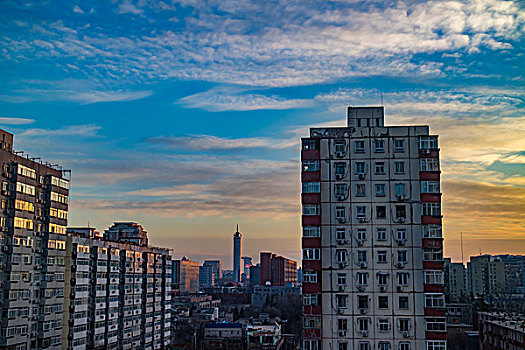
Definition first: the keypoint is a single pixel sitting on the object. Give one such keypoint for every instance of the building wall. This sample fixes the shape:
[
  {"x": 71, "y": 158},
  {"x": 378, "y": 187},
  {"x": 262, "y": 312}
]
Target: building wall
[
  {"x": 188, "y": 276},
  {"x": 344, "y": 221}
]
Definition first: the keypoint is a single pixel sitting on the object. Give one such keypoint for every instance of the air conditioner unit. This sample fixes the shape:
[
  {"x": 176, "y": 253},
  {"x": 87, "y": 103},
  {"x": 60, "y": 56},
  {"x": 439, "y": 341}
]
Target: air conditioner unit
[
  {"x": 400, "y": 242},
  {"x": 4, "y": 229},
  {"x": 38, "y": 267},
  {"x": 426, "y": 151},
  {"x": 39, "y": 250},
  {"x": 361, "y": 218},
  {"x": 341, "y": 287},
  {"x": 341, "y": 198},
  {"x": 342, "y": 264},
  {"x": 2, "y": 266},
  {"x": 360, "y": 288},
  {"x": 400, "y": 265},
  {"x": 339, "y": 176},
  {"x": 339, "y": 154},
  {"x": 361, "y": 176},
  {"x": 406, "y": 334},
  {"x": 363, "y": 311},
  {"x": 360, "y": 242},
  {"x": 400, "y": 220},
  {"x": 363, "y": 265},
  {"x": 399, "y": 288},
  {"x": 2, "y": 284},
  {"x": 364, "y": 333},
  {"x": 5, "y": 248},
  {"x": 341, "y": 241},
  {"x": 382, "y": 288},
  {"x": 400, "y": 197},
  {"x": 34, "y": 318},
  {"x": 341, "y": 220},
  {"x": 340, "y": 310},
  {"x": 342, "y": 333}
]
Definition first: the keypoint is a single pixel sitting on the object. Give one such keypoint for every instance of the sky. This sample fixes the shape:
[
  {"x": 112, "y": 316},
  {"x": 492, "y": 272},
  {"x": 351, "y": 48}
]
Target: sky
[{"x": 186, "y": 115}]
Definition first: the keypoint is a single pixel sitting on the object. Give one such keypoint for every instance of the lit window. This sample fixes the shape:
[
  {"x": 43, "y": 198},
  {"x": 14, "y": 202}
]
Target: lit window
[{"x": 311, "y": 187}]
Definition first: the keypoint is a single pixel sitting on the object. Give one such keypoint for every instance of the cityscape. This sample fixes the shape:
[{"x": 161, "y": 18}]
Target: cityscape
[{"x": 283, "y": 175}]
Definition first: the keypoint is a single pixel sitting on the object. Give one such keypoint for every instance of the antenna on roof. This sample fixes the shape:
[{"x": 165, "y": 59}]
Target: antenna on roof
[
  {"x": 461, "y": 247},
  {"x": 381, "y": 93}
]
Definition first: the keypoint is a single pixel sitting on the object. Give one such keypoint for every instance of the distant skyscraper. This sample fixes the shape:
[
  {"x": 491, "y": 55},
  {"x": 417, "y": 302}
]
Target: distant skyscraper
[
  {"x": 246, "y": 263},
  {"x": 216, "y": 266},
  {"x": 372, "y": 238},
  {"x": 237, "y": 255}
]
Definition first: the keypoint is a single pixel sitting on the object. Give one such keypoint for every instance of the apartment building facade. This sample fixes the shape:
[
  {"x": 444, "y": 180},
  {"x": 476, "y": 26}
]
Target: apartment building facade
[
  {"x": 372, "y": 236},
  {"x": 34, "y": 203},
  {"x": 277, "y": 270},
  {"x": 455, "y": 281},
  {"x": 485, "y": 276}
]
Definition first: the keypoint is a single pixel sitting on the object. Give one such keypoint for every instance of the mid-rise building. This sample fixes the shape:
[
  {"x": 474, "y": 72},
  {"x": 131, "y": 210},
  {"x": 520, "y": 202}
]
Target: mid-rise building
[
  {"x": 206, "y": 277},
  {"x": 34, "y": 203},
  {"x": 372, "y": 236},
  {"x": 127, "y": 232},
  {"x": 455, "y": 278},
  {"x": 216, "y": 266},
  {"x": 501, "y": 331},
  {"x": 186, "y": 275},
  {"x": 485, "y": 276},
  {"x": 277, "y": 270},
  {"x": 514, "y": 272}
]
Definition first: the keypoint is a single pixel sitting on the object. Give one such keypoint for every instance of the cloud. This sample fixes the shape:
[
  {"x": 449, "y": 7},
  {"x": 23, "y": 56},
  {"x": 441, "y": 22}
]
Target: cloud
[
  {"x": 15, "y": 121},
  {"x": 87, "y": 130},
  {"x": 223, "y": 99},
  {"x": 209, "y": 142},
  {"x": 77, "y": 9}
]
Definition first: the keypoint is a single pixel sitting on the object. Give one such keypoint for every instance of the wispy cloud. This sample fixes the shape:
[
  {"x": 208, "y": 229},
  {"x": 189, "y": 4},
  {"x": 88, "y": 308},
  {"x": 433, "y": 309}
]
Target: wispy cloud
[
  {"x": 87, "y": 130},
  {"x": 15, "y": 121},
  {"x": 209, "y": 142}
]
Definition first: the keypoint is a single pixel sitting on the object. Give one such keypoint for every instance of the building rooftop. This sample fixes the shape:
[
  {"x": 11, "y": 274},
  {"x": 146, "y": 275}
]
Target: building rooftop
[{"x": 513, "y": 321}]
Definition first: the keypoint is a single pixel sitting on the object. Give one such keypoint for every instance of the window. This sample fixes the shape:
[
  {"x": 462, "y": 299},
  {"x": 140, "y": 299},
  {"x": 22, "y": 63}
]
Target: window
[
  {"x": 380, "y": 190},
  {"x": 340, "y": 190},
  {"x": 382, "y": 278},
  {"x": 431, "y": 231},
  {"x": 360, "y": 168},
  {"x": 382, "y": 302},
  {"x": 432, "y": 254},
  {"x": 23, "y": 223},
  {"x": 310, "y": 144},
  {"x": 434, "y": 300},
  {"x": 403, "y": 346},
  {"x": 429, "y": 164},
  {"x": 428, "y": 142},
  {"x": 403, "y": 302},
  {"x": 401, "y": 234},
  {"x": 362, "y": 301},
  {"x": 401, "y": 211},
  {"x": 361, "y": 256},
  {"x": 432, "y": 209},
  {"x": 381, "y": 212},
  {"x": 361, "y": 234},
  {"x": 383, "y": 324},
  {"x": 340, "y": 169},
  {"x": 399, "y": 145},
  {"x": 310, "y": 209},
  {"x": 364, "y": 345},
  {"x": 359, "y": 146},
  {"x": 361, "y": 212},
  {"x": 379, "y": 146},
  {"x": 436, "y": 345},
  {"x": 310, "y": 165},
  {"x": 342, "y": 324},
  {"x": 309, "y": 276},
  {"x": 311, "y": 254},
  {"x": 57, "y": 197},
  {"x": 311, "y": 231},
  {"x": 311, "y": 187},
  {"x": 402, "y": 278},
  {"x": 310, "y": 344},
  {"x": 433, "y": 277},
  {"x": 360, "y": 190},
  {"x": 436, "y": 324},
  {"x": 402, "y": 256},
  {"x": 25, "y": 171},
  {"x": 341, "y": 255},
  {"x": 23, "y": 205},
  {"x": 362, "y": 278},
  {"x": 340, "y": 213},
  {"x": 399, "y": 167},
  {"x": 383, "y": 345},
  {"x": 429, "y": 186},
  {"x": 380, "y": 168},
  {"x": 362, "y": 324},
  {"x": 381, "y": 234},
  {"x": 382, "y": 257},
  {"x": 341, "y": 279},
  {"x": 340, "y": 234},
  {"x": 341, "y": 301},
  {"x": 309, "y": 299},
  {"x": 340, "y": 146},
  {"x": 400, "y": 189}
]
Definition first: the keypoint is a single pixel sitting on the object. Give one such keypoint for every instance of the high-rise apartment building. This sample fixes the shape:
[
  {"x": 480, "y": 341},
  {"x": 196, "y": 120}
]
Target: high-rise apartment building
[
  {"x": 127, "y": 232},
  {"x": 372, "y": 237},
  {"x": 186, "y": 275},
  {"x": 206, "y": 277},
  {"x": 277, "y": 270},
  {"x": 485, "y": 276},
  {"x": 34, "y": 200},
  {"x": 455, "y": 281},
  {"x": 237, "y": 251}
]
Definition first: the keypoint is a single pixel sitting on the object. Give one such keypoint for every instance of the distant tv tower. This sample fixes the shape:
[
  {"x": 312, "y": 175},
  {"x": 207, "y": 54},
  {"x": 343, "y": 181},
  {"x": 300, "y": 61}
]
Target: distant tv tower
[{"x": 237, "y": 247}]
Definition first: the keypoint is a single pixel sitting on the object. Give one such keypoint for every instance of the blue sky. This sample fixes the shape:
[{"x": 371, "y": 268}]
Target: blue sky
[{"x": 186, "y": 115}]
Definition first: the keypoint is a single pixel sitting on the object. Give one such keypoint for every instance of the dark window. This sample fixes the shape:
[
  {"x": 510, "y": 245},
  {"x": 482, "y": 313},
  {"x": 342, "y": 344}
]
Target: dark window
[
  {"x": 381, "y": 212},
  {"x": 383, "y": 302},
  {"x": 363, "y": 301},
  {"x": 403, "y": 302},
  {"x": 401, "y": 211}
]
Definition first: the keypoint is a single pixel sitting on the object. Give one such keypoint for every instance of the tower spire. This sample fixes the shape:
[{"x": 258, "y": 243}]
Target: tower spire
[{"x": 237, "y": 228}]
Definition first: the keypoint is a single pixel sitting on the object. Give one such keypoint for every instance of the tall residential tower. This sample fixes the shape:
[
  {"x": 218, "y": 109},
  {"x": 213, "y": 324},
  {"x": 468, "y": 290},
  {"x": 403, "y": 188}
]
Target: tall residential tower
[
  {"x": 237, "y": 247},
  {"x": 372, "y": 238}
]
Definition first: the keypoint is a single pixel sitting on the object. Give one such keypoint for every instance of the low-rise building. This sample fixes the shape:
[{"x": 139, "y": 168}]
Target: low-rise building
[{"x": 501, "y": 331}]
